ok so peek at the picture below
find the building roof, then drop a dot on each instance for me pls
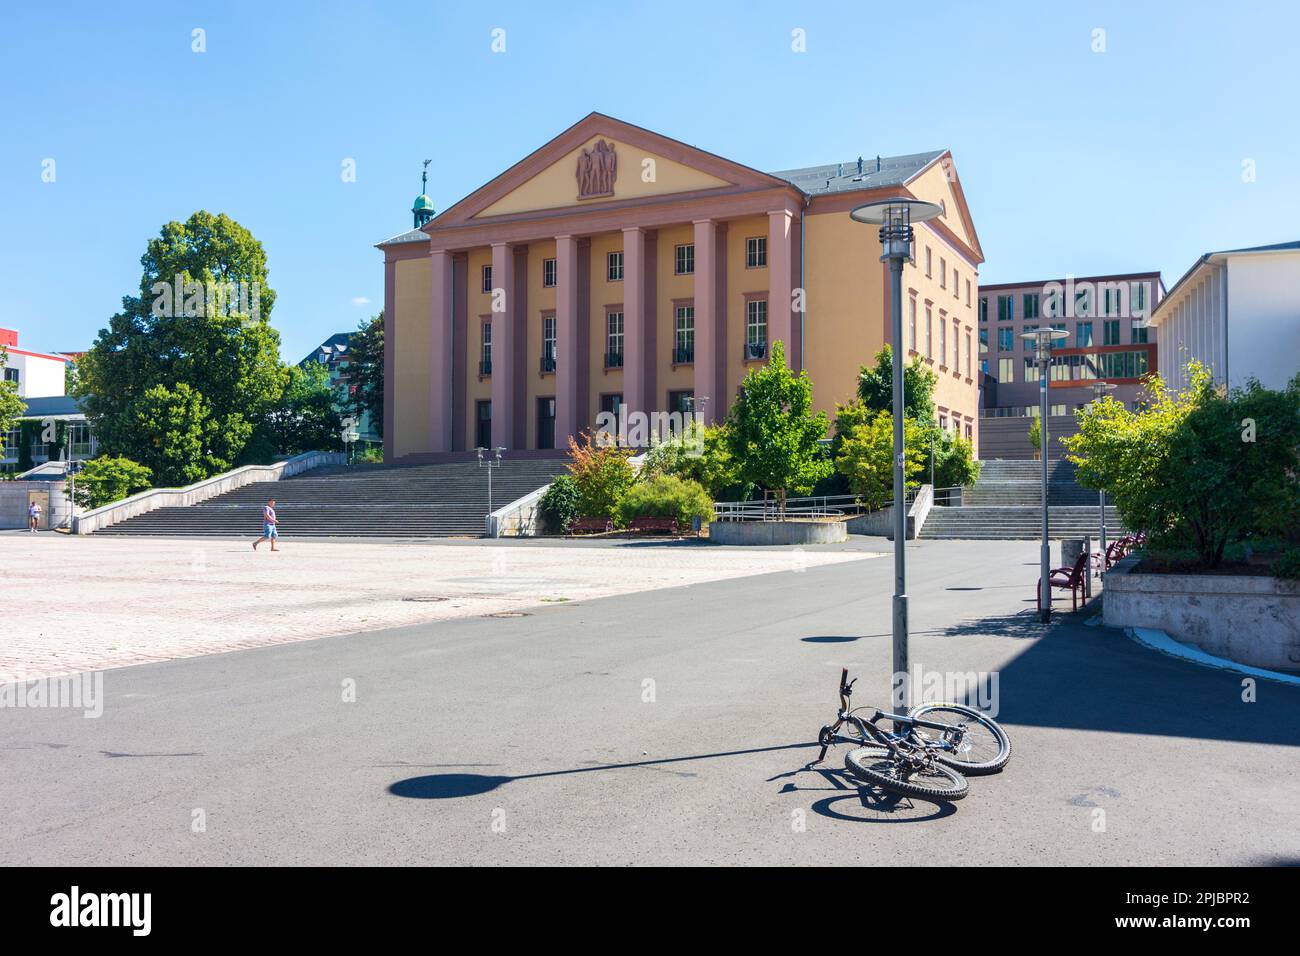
(1293, 246)
(338, 342)
(411, 235)
(1118, 277)
(843, 177)
(49, 406)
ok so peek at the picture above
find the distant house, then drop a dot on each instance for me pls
(37, 373)
(53, 425)
(334, 354)
(1237, 312)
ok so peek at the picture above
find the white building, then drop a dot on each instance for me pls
(38, 375)
(1237, 312)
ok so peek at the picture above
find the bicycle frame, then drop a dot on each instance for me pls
(897, 742)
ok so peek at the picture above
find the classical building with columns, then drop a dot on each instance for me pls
(615, 266)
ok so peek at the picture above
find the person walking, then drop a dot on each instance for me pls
(270, 529)
(33, 516)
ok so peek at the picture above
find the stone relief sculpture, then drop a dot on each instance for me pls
(597, 170)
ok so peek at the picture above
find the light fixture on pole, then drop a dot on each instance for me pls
(1099, 391)
(1044, 339)
(489, 464)
(895, 218)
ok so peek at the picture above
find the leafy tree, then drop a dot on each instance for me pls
(222, 350)
(559, 505)
(306, 418)
(772, 432)
(954, 460)
(104, 480)
(866, 458)
(702, 454)
(1036, 434)
(1206, 466)
(366, 370)
(11, 406)
(181, 428)
(876, 387)
(666, 496)
(603, 475)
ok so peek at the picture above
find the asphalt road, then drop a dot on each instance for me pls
(537, 739)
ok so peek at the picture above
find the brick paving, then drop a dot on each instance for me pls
(78, 604)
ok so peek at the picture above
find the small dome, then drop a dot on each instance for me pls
(422, 204)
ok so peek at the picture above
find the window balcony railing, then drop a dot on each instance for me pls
(548, 363)
(485, 367)
(683, 355)
(613, 360)
(755, 351)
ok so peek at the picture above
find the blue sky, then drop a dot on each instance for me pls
(1072, 161)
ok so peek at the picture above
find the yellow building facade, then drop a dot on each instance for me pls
(617, 267)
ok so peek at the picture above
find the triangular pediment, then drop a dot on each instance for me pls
(599, 161)
(938, 182)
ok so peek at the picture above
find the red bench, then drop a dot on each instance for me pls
(591, 525)
(649, 523)
(1067, 579)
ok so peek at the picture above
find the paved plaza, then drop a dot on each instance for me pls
(665, 725)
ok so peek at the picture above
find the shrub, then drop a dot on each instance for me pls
(702, 454)
(104, 480)
(559, 505)
(602, 474)
(1288, 565)
(666, 496)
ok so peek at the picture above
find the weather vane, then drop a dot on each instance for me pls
(424, 177)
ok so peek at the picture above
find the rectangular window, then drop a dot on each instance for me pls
(1056, 305)
(911, 324)
(548, 343)
(483, 424)
(968, 292)
(1110, 331)
(968, 364)
(1138, 334)
(548, 273)
(1006, 309)
(1031, 305)
(682, 402)
(684, 335)
(984, 308)
(755, 328)
(984, 341)
(1006, 338)
(1083, 302)
(12, 375)
(756, 252)
(943, 273)
(1031, 370)
(613, 340)
(1006, 370)
(943, 338)
(956, 284)
(610, 402)
(1138, 297)
(1082, 334)
(487, 279)
(614, 267)
(685, 259)
(485, 355)
(927, 262)
(929, 328)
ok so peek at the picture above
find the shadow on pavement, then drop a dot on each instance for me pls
(873, 805)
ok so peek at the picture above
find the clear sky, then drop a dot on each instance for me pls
(1073, 161)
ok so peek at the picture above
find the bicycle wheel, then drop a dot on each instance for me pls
(985, 747)
(875, 766)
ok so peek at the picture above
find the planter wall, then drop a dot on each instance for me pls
(778, 532)
(1250, 620)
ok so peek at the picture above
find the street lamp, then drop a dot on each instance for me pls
(1099, 391)
(489, 464)
(895, 218)
(1043, 340)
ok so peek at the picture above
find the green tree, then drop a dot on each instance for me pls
(772, 432)
(366, 371)
(876, 387)
(220, 347)
(602, 473)
(1036, 434)
(104, 480)
(11, 406)
(1204, 466)
(701, 454)
(954, 460)
(306, 418)
(559, 505)
(866, 458)
(181, 429)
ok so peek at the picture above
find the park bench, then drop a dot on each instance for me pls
(591, 525)
(1068, 579)
(649, 523)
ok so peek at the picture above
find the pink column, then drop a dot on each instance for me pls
(440, 357)
(780, 257)
(503, 345)
(706, 316)
(568, 356)
(635, 321)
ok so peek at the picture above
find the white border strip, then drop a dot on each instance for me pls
(1160, 641)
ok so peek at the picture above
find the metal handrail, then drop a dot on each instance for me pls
(813, 506)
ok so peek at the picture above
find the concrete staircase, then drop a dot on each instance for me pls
(1006, 504)
(415, 501)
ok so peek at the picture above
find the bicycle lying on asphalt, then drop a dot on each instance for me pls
(929, 753)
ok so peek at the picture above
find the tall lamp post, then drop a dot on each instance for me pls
(895, 218)
(1099, 391)
(489, 464)
(1043, 340)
